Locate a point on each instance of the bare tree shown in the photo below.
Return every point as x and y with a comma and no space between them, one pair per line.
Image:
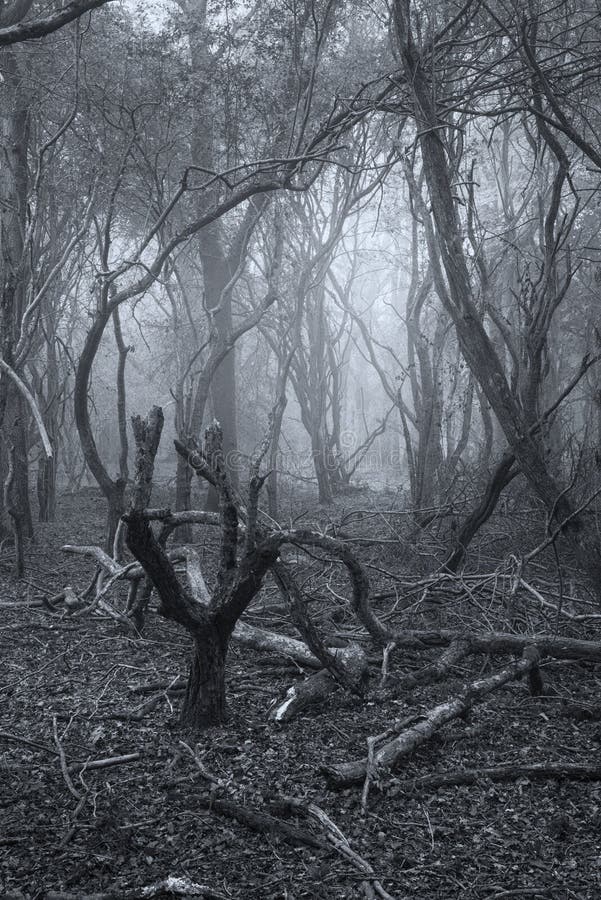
452,277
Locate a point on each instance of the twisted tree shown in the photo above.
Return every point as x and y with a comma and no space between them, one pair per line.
247,553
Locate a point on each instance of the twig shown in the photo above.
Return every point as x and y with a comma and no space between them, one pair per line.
106,763
22,740
63,762
199,765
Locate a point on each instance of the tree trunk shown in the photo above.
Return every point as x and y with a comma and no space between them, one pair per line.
183,496
14,271
204,704
46,489
445,240
14,443
320,463
11,502
504,473
116,508
272,478
114,491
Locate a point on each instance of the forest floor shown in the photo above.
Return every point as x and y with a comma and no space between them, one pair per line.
125,827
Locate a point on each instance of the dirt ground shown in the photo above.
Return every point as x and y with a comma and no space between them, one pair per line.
119,829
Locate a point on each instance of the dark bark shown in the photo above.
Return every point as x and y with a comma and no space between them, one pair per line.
504,472
46,489
20,441
210,621
204,702
14,275
322,469
531,771
84,425
11,502
318,686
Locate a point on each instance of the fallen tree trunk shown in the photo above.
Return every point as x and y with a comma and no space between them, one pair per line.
317,687
437,670
502,642
534,771
259,639
262,822
410,739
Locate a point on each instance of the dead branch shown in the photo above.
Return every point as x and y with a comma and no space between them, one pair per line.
63,762
357,577
147,434
371,886
407,741
499,642
437,670
95,553
108,762
208,776
28,743
137,714
180,887
262,822
317,687
532,771
353,678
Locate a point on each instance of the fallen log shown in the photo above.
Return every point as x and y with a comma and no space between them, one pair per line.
437,670
534,771
407,741
262,822
317,687
502,642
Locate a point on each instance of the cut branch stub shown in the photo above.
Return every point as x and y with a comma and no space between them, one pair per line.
147,434
209,464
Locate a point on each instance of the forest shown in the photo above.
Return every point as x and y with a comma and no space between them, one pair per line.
300,449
